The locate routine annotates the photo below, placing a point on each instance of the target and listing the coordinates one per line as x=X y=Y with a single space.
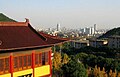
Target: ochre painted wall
x=6 y=75
x=41 y=71
x=23 y=72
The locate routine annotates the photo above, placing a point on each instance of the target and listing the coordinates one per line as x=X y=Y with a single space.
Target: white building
x=92 y=31
x=87 y=31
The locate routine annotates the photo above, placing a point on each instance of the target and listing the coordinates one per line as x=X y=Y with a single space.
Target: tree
x=81 y=57
x=65 y=59
x=110 y=73
x=118 y=74
x=74 y=69
x=56 y=48
x=57 y=60
x=118 y=67
x=95 y=73
x=57 y=64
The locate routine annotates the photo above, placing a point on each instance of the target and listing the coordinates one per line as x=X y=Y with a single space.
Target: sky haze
x=69 y=13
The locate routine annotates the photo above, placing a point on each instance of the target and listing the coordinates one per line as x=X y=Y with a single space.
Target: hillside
x=5 y=18
x=115 y=31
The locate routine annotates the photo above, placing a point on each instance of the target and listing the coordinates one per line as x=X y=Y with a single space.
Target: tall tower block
x=94 y=28
x=58 y=27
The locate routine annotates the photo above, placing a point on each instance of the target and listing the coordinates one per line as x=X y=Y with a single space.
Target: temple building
x=24 y=52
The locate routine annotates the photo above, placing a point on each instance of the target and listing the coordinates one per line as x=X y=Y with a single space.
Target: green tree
x=74 y=69
x=118 y=67
x=81 y=56
x=5 y=18
x=56 y=48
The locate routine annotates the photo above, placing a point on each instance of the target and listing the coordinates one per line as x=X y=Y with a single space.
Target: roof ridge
x=15 y=23
x=52 y=37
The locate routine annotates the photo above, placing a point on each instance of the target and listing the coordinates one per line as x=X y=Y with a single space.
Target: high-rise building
x=91 y=31
x=87 y=30
x=58 y=27
x=94 y=28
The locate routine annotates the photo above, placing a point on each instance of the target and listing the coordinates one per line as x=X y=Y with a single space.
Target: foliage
x=98 y=72
x=5 y=18
x=118 y=67
x=65 y=59
x=74 y=69
x=66 y=45
x=92 y=60
x=56 y=48
x=57 y=60
x=101 y=51
x=57 y=64
x=103 y=57
x=115 y=31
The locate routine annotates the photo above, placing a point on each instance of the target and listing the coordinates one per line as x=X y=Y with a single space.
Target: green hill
x=5 y=18
x=115 y=31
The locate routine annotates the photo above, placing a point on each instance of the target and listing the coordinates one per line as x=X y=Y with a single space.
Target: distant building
x=87 y=31
x=95 y=28
x=78 y=44
x=58 y=27
x=114 y=41
x=91 y=31
x=97 y=43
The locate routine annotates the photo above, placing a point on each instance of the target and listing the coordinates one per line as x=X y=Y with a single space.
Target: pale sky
x=69 y=13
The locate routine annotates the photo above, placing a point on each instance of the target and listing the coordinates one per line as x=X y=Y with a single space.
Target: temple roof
x=53 y=39
x=19 y=35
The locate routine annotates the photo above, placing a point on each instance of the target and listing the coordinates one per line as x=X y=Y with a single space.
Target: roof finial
x=27 y=20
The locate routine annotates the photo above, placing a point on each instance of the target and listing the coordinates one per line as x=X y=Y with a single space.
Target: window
x=29 y=61
x=24 y=62
x=46 y=57
x=20 y=62
x=113 y=45
x=15 y=63
x=36 y=59
x=1 y=65
x=43 y=58
x=6 y=65
x=40 y=57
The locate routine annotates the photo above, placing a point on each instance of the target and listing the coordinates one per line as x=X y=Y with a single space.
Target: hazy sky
x=69 y=13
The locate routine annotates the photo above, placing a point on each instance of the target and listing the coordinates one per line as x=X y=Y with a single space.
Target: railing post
x=11 y=64
x=33 y=63
x=50 y=62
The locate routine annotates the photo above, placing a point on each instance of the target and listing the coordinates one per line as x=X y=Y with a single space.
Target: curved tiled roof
x=53 y=39
x=18 y=35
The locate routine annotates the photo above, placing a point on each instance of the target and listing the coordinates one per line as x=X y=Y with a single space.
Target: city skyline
x=69 y=13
